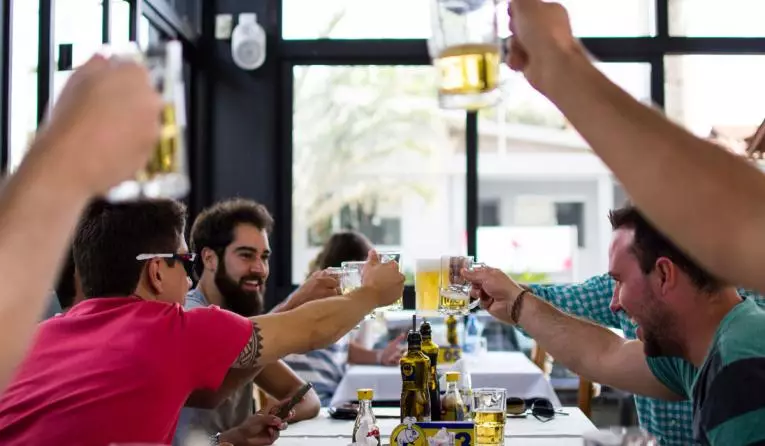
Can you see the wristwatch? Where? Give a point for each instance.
(215, 439)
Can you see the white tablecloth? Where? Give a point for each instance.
(564, 430)
(510, 370)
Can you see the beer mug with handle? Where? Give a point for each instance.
(166, 173)
(465, 49)
(455, 290)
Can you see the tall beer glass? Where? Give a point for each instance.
(489, 416)
(465, 49)
(350, 279)
(426, 282)
(166, 174)
(392, 256)
(454, 290)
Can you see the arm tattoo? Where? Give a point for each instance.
(248, 358)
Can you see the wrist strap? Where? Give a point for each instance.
(515, 310)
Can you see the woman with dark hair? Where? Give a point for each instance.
(325, 368)
(346, 246)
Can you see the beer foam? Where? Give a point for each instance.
(424, 265)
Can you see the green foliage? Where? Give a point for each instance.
(530, 277)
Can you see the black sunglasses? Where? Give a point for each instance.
(186, 259)
(540, 408)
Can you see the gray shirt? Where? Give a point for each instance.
(231, 413)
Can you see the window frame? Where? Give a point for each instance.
(291, 53)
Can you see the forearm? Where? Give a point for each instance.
(357, 354)
(576, 343)
(308, 408)
(313, 325)
(674, 177)
(39, 209)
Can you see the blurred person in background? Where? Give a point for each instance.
(325, 367)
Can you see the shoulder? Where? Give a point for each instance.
(740, 338)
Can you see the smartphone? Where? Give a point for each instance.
(347, 411)
(284, 411)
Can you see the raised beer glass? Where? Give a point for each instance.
(392, 256)
(489, 416)
(454, 290)
(166, 174)
(465, 49)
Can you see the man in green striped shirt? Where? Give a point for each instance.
(699, 339)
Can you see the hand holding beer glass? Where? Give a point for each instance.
(392, 256)
(165, 175)
(465, 49)
(455, 290)
(489, 407)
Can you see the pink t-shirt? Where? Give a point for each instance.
(117, 370)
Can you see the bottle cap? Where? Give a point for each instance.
(452, 377)
(425, 329)
(414, 338)
(365, 394)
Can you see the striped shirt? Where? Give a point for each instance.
(728, 390)
(670, 422)
(324, 368)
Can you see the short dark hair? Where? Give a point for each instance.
(214, 227)
(65, 288)
(649, 244)
(342, 247)
(111, 235)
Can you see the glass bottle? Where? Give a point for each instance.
(452, 406)
(415, 380)
(430, 349)
(365, 418)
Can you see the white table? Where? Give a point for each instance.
(562, 430)
(509, 370)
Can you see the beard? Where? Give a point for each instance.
(659, 337)
(235, 298)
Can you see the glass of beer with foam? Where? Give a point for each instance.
(489, 406)
(426, 282)
(166, 173)
(454, 290)
(465, 49)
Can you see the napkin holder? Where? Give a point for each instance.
(421, 433)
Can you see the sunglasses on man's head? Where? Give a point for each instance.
(186, 259)
(540, 408)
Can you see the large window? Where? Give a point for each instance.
(373, 153)
(553, 193)
(23, 112)
(709, 18)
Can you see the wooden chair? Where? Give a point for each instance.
(587, 389)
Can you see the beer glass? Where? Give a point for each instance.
(350, 279)
(392, 256)
(426, 282)
(489, 416)
(337, 273)
(465, 49)
(454, 289)
(166, 174)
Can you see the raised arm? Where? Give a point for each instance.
(592, 351)
(590, 299)
(673, 176)
(100, 132)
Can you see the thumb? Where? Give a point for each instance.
(372, 257)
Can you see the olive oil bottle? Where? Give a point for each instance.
(415, 380)
(430, 349)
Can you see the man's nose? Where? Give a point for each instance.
(615, 304)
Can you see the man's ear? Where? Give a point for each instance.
(154, 276)
(209, 259)
(666, 272)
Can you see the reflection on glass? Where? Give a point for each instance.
(705, 18)
(714, 96)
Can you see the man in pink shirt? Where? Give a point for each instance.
(119, 366)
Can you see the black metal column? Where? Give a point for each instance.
(6, 44)
(471, 181)
(135, 19)
(45, 57)
(106, 21)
